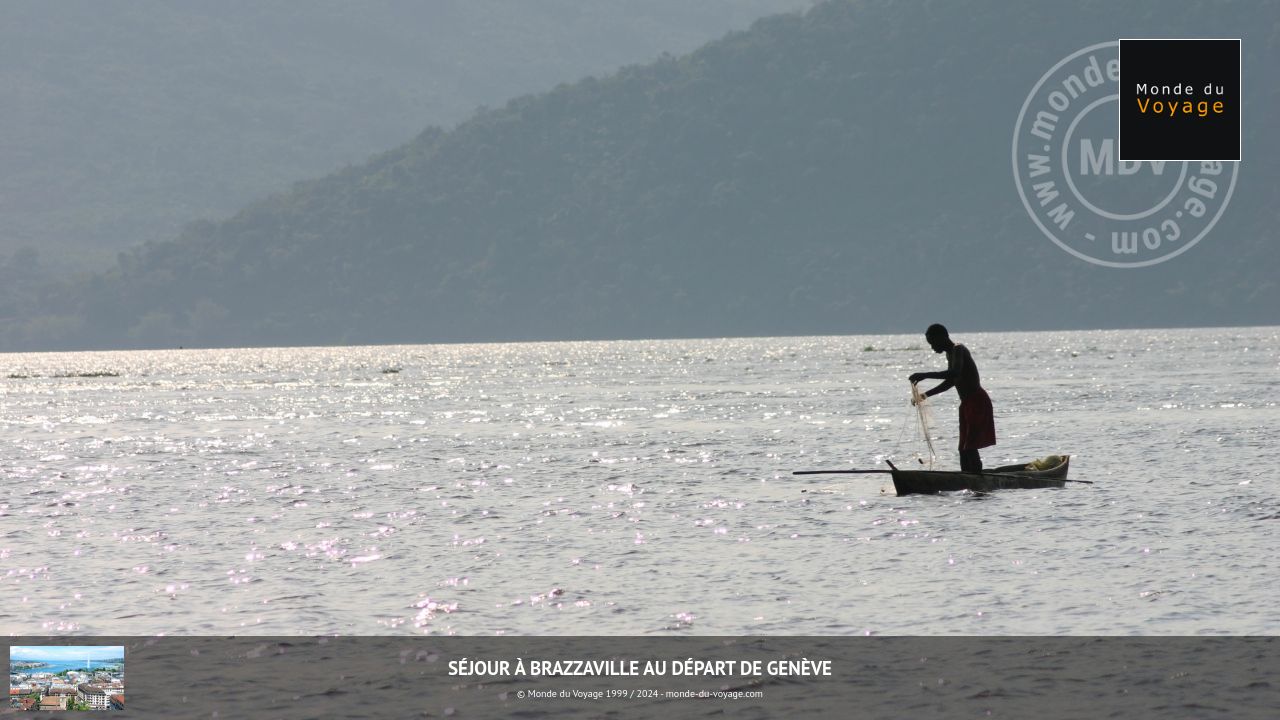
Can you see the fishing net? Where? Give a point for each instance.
(924, 420)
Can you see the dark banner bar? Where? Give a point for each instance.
(636, 677)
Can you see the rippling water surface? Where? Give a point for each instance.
(635, 488)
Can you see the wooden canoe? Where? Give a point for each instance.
(1008, 477)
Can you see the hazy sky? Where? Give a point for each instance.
(66, 652)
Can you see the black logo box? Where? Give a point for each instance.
(1187, 67)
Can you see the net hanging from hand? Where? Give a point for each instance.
(925, 419)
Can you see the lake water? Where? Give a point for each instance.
(57, 666)
(637, 488)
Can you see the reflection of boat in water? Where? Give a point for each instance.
(1008, 477)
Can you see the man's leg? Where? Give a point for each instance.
(970, 461)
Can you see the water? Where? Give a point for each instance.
(636, 488)
(56, 666)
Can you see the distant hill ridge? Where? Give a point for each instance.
(123, 124)
(844, 170)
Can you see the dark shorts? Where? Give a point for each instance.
(977, 421)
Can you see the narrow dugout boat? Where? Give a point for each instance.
(1008, 477)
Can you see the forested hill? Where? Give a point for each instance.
(846, 170)
(124, 121)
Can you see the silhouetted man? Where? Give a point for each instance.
(977, 421)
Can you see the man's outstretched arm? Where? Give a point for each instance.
(944, 386)
(948, 376)
(940, 375)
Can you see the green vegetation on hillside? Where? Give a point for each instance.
(123, 123)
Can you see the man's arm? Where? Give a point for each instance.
(955, 362)
(941, 388)
(917, 377)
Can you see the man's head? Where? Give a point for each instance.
(938, 338)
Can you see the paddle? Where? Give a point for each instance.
(887, 472)
(840, 472)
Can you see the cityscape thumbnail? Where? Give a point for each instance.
(66, 677)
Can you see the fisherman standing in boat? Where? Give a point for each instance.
(977, 421)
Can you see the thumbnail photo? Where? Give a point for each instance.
(66, 677)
